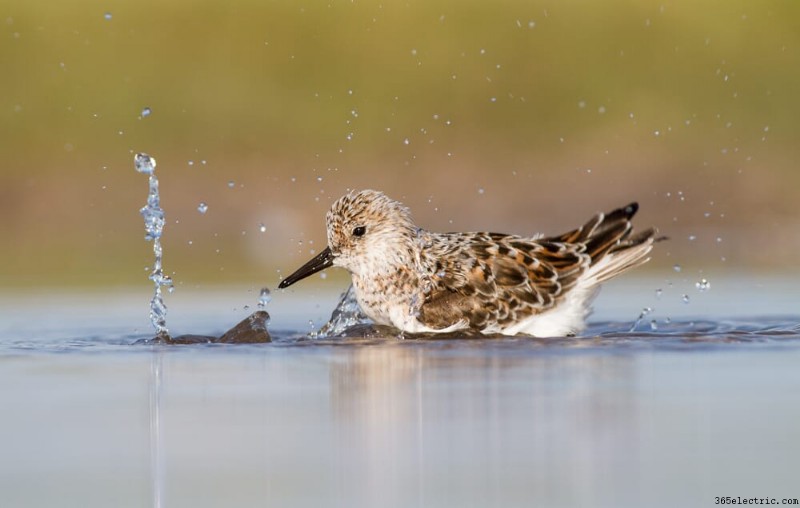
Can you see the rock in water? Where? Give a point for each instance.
(251, 330)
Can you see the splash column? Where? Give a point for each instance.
(154, 226)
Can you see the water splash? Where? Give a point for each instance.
(264, 298)
(645, 311)
(154, 226)
(346, 315)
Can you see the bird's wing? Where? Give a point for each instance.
(488, 278)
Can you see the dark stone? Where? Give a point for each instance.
(251, 330)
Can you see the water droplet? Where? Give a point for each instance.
(702, 285)
(406, 141)
(202, 207)
(262, 227)
(144, 163)
(677, 268)
(323, 275)
(264, 298)
(107, 16)
(653, 325)
(231, 184)
(481, 191)
(601, 110)
(659, 292)
(645, 312)
(191, 163)
(146, 112)
(692, 238)
(581, 104)
(685, 298)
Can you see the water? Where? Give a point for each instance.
(346, 315)
(706, 405)
(154, 226)
(264, 298)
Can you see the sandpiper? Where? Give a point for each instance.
(420, 281)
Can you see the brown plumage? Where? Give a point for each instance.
(421, 281)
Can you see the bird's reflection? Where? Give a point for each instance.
(419, 419)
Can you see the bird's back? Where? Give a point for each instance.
(508, 284)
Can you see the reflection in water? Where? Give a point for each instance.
(400, 423)
(156, 445)
(467, 428)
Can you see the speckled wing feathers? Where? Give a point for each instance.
(483, 278)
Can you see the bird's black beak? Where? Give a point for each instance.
(320, 262)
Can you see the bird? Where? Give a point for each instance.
(420, 281)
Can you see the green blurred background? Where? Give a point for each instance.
(514, 116)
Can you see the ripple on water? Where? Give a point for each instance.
(698, 335)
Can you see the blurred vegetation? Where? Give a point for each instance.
(516, 116)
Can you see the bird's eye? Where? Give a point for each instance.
(359, 230)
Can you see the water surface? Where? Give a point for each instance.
(705, 405)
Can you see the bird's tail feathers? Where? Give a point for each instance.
(621, 257)
(611, 243)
